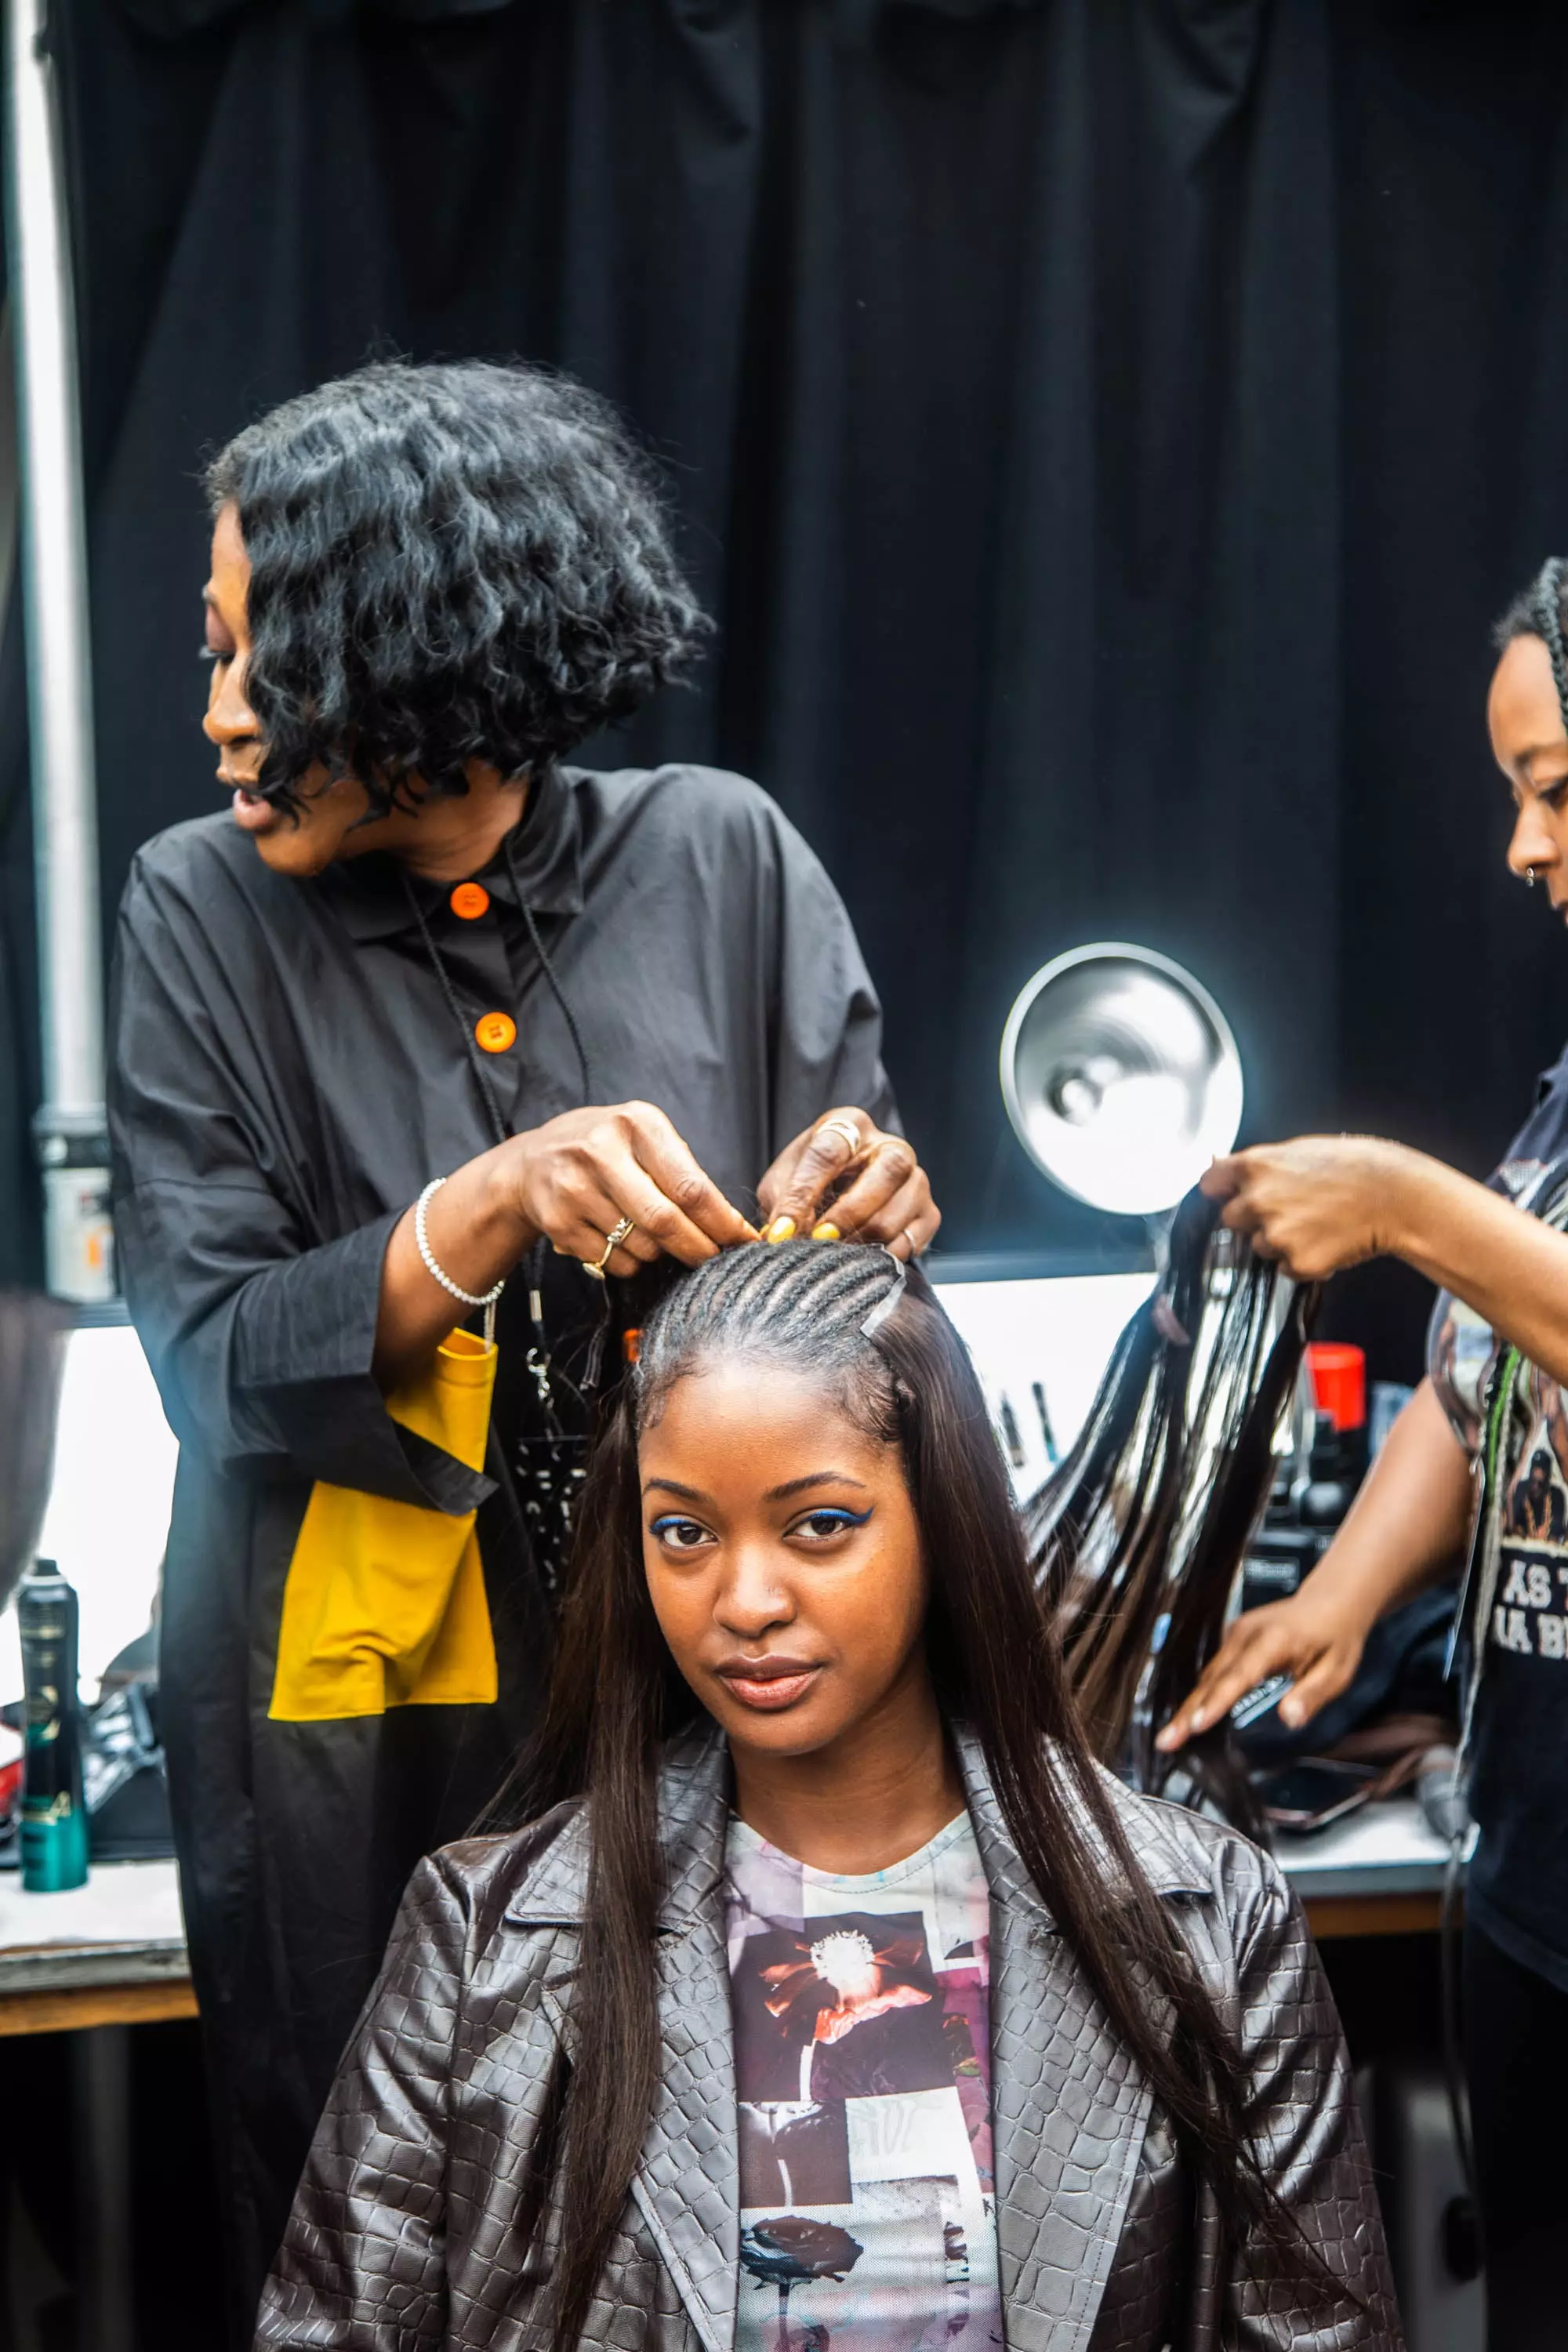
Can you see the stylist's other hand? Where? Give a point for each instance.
(574, 1179)
(846, 1178)
(1317, 1203)
(1316, 1638)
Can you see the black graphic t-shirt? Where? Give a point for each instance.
(1517, 1890)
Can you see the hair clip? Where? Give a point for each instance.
(887, 1301)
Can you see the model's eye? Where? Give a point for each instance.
(822, 1526)
(215, 652)
(682, 1535)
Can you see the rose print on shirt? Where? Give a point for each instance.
(787, 2252)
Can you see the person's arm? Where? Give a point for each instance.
(272, 1348)
(1406, 1528)
(1325, 1202)
(571, 1179)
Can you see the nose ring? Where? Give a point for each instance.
(1530, 878)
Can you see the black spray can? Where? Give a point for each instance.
(53, 1815)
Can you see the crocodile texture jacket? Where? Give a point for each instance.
(403, 2232)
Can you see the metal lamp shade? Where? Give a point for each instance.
(1121, 1077)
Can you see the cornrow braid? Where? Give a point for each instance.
(803, 1300)
(1537, 612)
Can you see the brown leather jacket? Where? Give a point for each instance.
(403, 2232)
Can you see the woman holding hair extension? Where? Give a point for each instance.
(426, 1024)
(1491, 1418)
(835, 1996)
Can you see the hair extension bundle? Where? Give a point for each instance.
(1137, 1536)
(32, 1359)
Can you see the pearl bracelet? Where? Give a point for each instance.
(439, 1273)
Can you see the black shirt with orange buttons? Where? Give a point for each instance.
(288, 1074)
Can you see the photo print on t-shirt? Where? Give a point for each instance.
(862, 2038)
(1530, 1612)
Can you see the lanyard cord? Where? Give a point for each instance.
(439, 964)
(539, 1353)
(481, 1076)
(556, 990)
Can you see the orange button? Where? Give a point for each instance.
(470, 899)
(495, 1031)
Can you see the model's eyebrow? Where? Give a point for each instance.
(816, 1478)
(774, 1494)
(1538, 752)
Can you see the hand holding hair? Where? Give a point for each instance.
(574, 1180)
(1324, 1202)
(846, 1178)
(1318, 1203)
(1315, 1638)
(1406, 1529)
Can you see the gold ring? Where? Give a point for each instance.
(613, 1239)
(844, 1127)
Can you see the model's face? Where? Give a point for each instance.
(1531, 749)
(782, 1557)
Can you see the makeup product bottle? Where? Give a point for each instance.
(53, 1815)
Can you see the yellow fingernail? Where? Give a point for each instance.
(825, 1231)
(781, 1230)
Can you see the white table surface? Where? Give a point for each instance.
(1387, 1849)
(123, 1927)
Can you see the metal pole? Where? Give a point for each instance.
(69, 1127)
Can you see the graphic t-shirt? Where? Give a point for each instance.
(1517, 1886)
(862, 2012)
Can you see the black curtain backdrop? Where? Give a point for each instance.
(1103, 429)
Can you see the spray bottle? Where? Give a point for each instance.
(54, 1814)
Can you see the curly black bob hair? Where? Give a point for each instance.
(448, 563)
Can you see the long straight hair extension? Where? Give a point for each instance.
(1137, 1535)
(616, 1695)
(32, 1362)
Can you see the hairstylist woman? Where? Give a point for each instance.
(1499, 1367)
(854, 2006)
(423, 1012)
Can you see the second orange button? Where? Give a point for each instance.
(495, 1032)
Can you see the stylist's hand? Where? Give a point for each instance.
(1315, 1637)
(574, 1179)
(845, 1179)
(1317, 1203)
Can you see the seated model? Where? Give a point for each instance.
(837, 1998)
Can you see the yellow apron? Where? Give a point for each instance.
(384, 1605)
